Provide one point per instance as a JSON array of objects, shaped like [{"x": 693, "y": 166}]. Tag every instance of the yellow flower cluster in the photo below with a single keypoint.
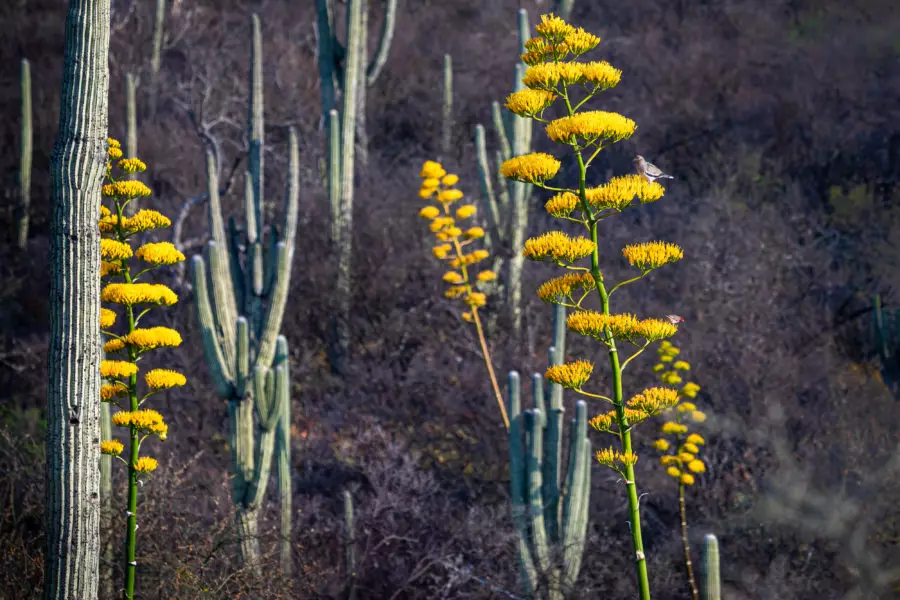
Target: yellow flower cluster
[
  {"x": 152, "y": 338},
  {"x": 110, "y": 391},
  {"x": 536, "y": 167},
  {"x": 615, "y": 459},
  {"x": 164, "y": 379},
  {"x": 132, "y": 165},
  {"x": 145, "y": 464},
  {"x": 146, "y": 420},
  {"x": 159, "y": 253},
  {"x": 652, "y": 255},
  {"x": 130, "y": 294},
  {"x": 437, "y": 185},
  {"x": 619, "y": 192},
  {"x": 595, "y": 324},
  {"x": 560, "y": 288},
  {"x": 127, "y": 189},
  {"x": 107, "y": 318},
  {"x": 589, "y": 127},
  {"x": 117, "y": 369},
  {"x": 530, "y": 103},
  {"x": 114, "y": 345},
  {"x": 146, "y": 220},
  {"x": 556, "y": 246},
  {"x": 608, "y": 421},
  {"x": 680, "y": 455},
  {"x": 571, "y": 375},
  {"x": 111, "y": 447},
  {"x": 654, "y": 400},
  {"x": 114, "y": 250}
]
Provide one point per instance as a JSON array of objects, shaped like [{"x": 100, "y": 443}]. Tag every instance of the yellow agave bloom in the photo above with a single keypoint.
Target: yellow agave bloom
[
  {"x": 146, "y": 220},
  {"x": 529, "y": 103},
  {"x": 673, "y": 428},
  {"x": 111, "y": 447},
  {"x": 138, "y": 293},
  {"x": 652, "y": 255},
  {"x": 107, "y": 318},
  {"x": 697, "y": 466},
  {"x": 152, "y": 338},
  {"x": 553, "y": 28},
  {"x": 562, "y": 204},
  {"x": 690, "y": 390},
  {"x": 117, "y": 369},
  {"x": 654, "y": 330},
  {"x": 114, "y": 345},
  {"x": 145, "y": 420},
  {"x": 594, "y": 324},
  {"x": 432, "y": 170},
  {"x": 130, "y": 188},
  {"x": 429, "y": 212},
  {"x": 145, "y": 464},
  {"x": 571, "y": 375},
  {"x": 465, "y": 211},
  {"x": 696, "y": 439},
  {"x": 160, "y": 253},
  {"x": 654, "y": 400},
  {"x": 689, "y": 447},
  {"x": 558, "y": 288},
  {"x": 661, "y": 444},
  {"x": 487, "y": 276},
  {"x": 114, "y": 153},
  {"x": 164, "y": 379},
  {"x": 589, "y": 127},
  {"x": 550, "y": 76},
  {"x": 108, "y": 391},
  {"x": 114, "y": 250},
  {"x": 132, "y": 165},
  {"x": 557, "y": 246},
  {"x": 580, "y": 41},
  {"x": 615, "y": 459},
  {"x": 620, "y": 191},
  {"x": 536, "y": 167},
  {"x": 601, "y": 75},
  {"x": 687, "y": 479}
]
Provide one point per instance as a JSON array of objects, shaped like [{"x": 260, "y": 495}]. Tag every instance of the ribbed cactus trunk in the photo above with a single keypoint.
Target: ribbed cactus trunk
[
  {"x": 447, "y": 109},
  {"x": 349, "y": 547},
  {"x": 285, "y": 487},
  {"x": 78, "y": 166},
  {"x": 25, "y": 150},
  {"x": 240, "y": 305},
  {"x": 507, "y": 209},
  {"x": 712, "y": 585},
  {"x": 549, "y": 511},
  {"x": 155, "y": 56}
]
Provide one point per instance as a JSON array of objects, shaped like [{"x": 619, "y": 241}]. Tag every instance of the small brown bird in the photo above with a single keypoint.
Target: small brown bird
[
  {"x": 675, "y": 319},
  {"x": 648, "y": 170}
]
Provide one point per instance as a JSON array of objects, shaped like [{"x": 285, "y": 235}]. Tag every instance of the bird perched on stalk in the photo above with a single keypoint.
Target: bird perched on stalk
[{"x": 648, "y": 170}]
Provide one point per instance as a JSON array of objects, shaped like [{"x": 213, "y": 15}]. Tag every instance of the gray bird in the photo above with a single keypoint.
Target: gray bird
[{"x": 648, "y": 170}]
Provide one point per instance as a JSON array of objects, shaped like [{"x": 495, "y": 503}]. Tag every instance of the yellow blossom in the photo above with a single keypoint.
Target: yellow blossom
[
  {"x": 128, "y": 188},
  {"x": 562, "y": 204},
  {"x": 117, "y": 369},
  {"x": 553, "y": 29},
  {"x": 426, "y": 193},
  {"x": 690, "y": 390},
  {"x": 571, "y": 375},
  {"x": 432, "y": 169},
  {"x": 559, "y": 288},
  {"x": 654, "y": 400},
  {"x": 620, "y": 191},
  {"x": 661, "y": 444},
  {"x": 449, "y": 180},
  {"x": 160, "y": 253},
  {"x": 697, "y": 466},
  {"x": 681, "y": 365},
  {"x": 557, "y": 246},
  {"x": 549, "y": 76},
  {"x": 164, "y": 379},
  {"x": 145, "y": 464},
  {"x": 448, "y": 196},
  {"x": 111, "y": 447},
  {"x": 673, "y": 428},
  {"x": 473, "y": 233},
  {"x": 114, "y": 153},
  {"x": 431, "y": 182},
  {"x": 687, "y": 407},
  {"x": 658, "y": 368},
  {"x": 687, "y": 479},
  {"x": 132, "y": 165},
  {"x": 536, "y": 167},
  {"x": 487, "y": 276},
  {"x": 689, "y": 447},
  {"x": 455, "y": 291},
  {"x": 109, "y": 268},
  {"x": 108, "y": 391},
  {"x": 114, "y": 250},
  {"x": 465, "y": 211},
  {"x": 601, "y": 75},
  {"x": 147, "y": 220},
  {"x": 476, "y": 299},
  {"x": 146, "y": 420},
  {"x": 603, "y": 422},
  {"x": 107, "y": 318},
  {"x": 453, "y": 277},
  {"x": 113, "y": 142},
  {"x": 429, "y": 212},
  {"x": 591, "y": 126},
  {"x": 594, "y": 324},
  {"x": 696, "y": 439},
  {"x": 113, "y": 345},
  {"x": 580, "y": 41},
  {"x": 685, "y": 457},
  {"x": 614, "y": 459},
  {"x": 667, "y": 461},
  {"x": 467, "y": 317},
  {"x": 138, "y": 293},
  {"x": 698, "y": 416},
  {"x": 652, "y": 255},
  {"x": 108, "y": 223},
  {"x": 441, "y": 251},
  {"x": 529, "y": 103},
  {"x": 655, "y": 329},
  {"x": 674, "y": 472},
  {"x": 154, "y": 337}
]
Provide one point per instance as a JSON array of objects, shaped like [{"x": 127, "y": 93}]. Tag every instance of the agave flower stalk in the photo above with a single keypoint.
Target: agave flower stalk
[
  {"x": 557, "y": 76},
  {"x": 124, "y": 289}
]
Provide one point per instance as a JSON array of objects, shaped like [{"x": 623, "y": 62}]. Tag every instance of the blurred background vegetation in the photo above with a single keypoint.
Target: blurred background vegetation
[{"x": 780, "y": 122}]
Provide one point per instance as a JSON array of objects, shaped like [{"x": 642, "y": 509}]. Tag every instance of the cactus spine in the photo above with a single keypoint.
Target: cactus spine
[
  {"x": 447, "y": 112},
  {"x": 25, "y": 149},
  {"x": 712, "y": 585},
  {"x": 240, "y": 306},
  {"x": 551, "y": 521},
  {"x": 79, "y": 160},
  {"x": 349, "y": 546},
  {"x": 507, "y": 208}
]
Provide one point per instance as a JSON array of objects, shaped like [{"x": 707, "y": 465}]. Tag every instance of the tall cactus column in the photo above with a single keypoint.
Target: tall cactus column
[
  {"x": 240, "y": 304},
  {"x": 25, "y": 150},
  {"x": 507, "y": 209},
  {"x": 78, "y": 165},
  {"x": 549, "y": 512}
]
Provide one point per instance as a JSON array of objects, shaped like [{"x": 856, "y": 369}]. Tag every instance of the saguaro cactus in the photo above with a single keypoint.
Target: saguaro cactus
[
  {"x": 79, "y": 160},
  {"x": 25, "y": 149},
  {"x": 240, "y": 308},
  {"x": 507, "y": 209},
  {"x": 712, "y": 585},
  {"x": 349, "y": 546},
  {"x": 158, "y": 32},
  {"x": 551, "y": 521},
  {"x": 447, "y": 109}
]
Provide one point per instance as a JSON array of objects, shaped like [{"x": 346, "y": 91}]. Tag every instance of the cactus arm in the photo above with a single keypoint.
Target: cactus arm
[
  {"x": 283, "y": 457},
  {"x": 552, "y": 452},
  {"x": 712, "y": 584},
  {"x": 326, "y": 58},
  {"x": 349, "y": 546},
  {"x": 574, "y": 551},
  {"x": 158, "y": 30},
  {"x": 277, "y": 396},
  {"x": 256, "y": 126},
  {"x": 487, "y": 190},
  {"x": 384, "y": 42},
  {"x": 223, "y": 293},
  {"x": 537, "y": 393},
  {"x": 500, "y": 130},
  {"x": 575, "y": 477},
  {"x": 334, "y": 174},
  {"x": 503, "y": 194},
  {"x": 25, "y": 153},
  {"x": 447, "y": 109},
  {"x": 234, "y": 262},
  {"x": 131, "y": 149},
  {"x": 524, "y": 31},
  {"x": 292, "y": 192},
  {"x": 242, "y": 357},
  {"x": 534, "y": 441},
  {"x": 517, "y": 482},
  {"x": 275, "y": 313},
  {"x": 219, "y": 369}
]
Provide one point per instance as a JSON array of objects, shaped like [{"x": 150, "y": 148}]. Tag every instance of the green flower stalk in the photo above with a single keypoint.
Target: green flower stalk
[
  {"x": 445, "y": 224},
  {"x": 556, "y": 77},
  {"x": 124, "y": 290},
  {"x": 680, "y": 448}
]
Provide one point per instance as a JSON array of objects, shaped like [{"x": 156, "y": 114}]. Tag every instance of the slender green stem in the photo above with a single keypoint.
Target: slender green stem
[
  {"x": 635, "y": 355},
  {"x": 695, "y": 594},
  {"x": 627, "y": 281}
]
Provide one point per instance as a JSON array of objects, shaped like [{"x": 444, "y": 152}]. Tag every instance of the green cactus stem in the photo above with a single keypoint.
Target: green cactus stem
[
  {"x": 349, "y": 546},
  {"x": 447, "y": 109},
  {"x": 240, "y": 305},
  {"x": 887, "y": 341},
  {"x": 283, "y": 457},
  {"x": 155, "y": 61},
  {"x": 25, "y": 152},
  {"x": 712, "y": 585}
]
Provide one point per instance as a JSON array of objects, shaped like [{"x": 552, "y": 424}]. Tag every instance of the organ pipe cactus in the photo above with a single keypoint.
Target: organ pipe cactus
[
  {"x": 240, "y": 304},
  {"x": 507, "y": 207},
  {"x": 549, "y": 510},
  {"x": 25, "y": 149},
  {"x": 712, "y": 585},
  {"x": 447, "y": 109}
]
